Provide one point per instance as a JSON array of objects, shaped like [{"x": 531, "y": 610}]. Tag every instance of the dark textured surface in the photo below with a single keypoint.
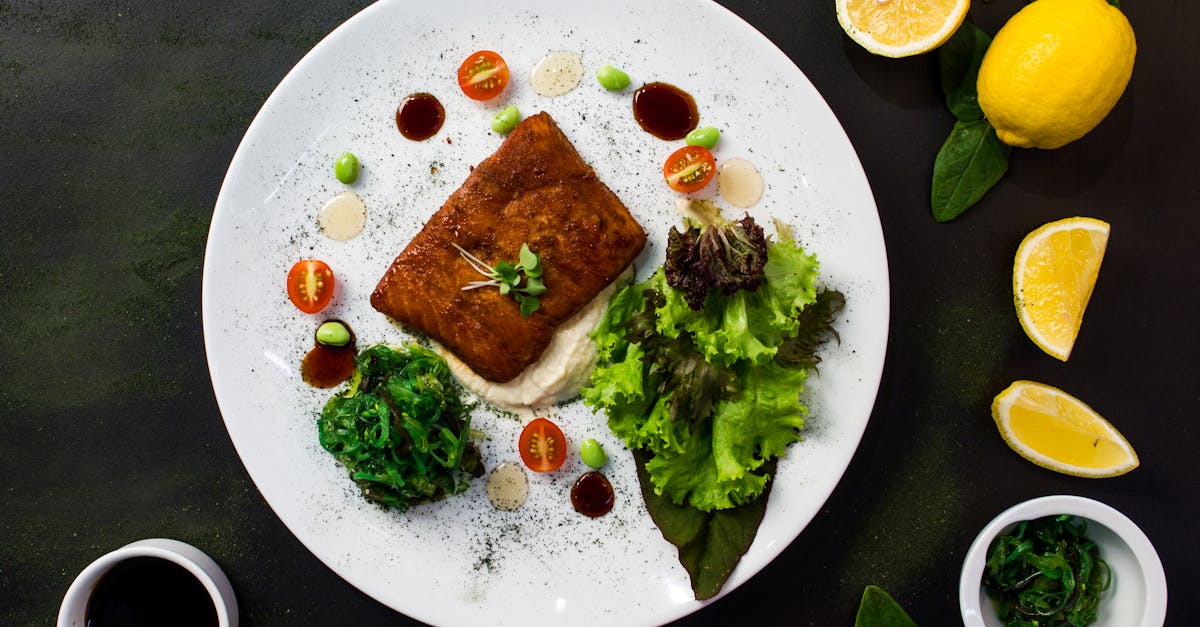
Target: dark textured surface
[{"x": 119, "y": 120}]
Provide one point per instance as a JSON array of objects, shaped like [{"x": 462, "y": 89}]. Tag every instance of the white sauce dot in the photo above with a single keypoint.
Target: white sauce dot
[
  {"x": 342, "y": 217},
  {"x": 507, "y": 486},
  {"x": 739, "y": 183},
  {"x": 557, "y": 73}
]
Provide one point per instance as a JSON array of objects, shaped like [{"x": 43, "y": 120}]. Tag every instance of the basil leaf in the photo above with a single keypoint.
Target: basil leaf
[
  {"x": 710, "y": 543},
  {"x": 1115, "y": 3},
  {"x": 879, "y": 609},
  {"x": 959, "y": 59},
  {"x": 971, "y": 161}
]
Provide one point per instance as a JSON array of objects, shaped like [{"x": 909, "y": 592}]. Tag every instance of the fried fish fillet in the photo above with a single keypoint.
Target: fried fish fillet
[{"x": 536, "y": 190}]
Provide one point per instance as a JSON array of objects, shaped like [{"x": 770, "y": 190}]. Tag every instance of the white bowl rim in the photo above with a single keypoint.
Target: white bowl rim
[
  {"x": 1139, "y": 545},
  {"x": 199, "y": 564}
]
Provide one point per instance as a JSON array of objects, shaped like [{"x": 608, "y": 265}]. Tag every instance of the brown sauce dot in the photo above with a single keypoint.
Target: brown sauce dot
[
  {"x": 592, "y": 495},
  {"x": 665, "y": 111},
  {"x": 328, "y": 366},
  {"x": 420, "y": 116}
]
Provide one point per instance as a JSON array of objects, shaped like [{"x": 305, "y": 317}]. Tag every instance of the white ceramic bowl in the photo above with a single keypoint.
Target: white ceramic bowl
[
  {"x": 74, "y": 605},
  {"x": 1138, "y": 595}
]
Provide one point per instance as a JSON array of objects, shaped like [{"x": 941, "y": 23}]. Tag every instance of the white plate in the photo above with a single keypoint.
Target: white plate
[{"x": 460, "y": 561}]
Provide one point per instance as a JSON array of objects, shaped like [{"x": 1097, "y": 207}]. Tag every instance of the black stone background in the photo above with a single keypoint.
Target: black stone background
[{"x": 117, "y": 123}]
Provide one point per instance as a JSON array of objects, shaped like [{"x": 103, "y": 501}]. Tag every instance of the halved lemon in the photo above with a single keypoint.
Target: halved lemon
[
  {"x": 1053, "y": 276},
  {"x": 901, "y": 28},
  {"x": 1055, "y": 430}
]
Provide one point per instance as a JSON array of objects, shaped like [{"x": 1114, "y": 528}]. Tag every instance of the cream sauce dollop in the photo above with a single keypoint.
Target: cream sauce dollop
[{"x": 557, "y": 74}]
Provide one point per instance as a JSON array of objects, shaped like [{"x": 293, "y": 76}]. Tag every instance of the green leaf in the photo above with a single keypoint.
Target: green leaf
[
  {"x": 959, "y": 59},
  {"x": 506, "y": 272},
  {"x": 533, "y": 286},
  {"x": 529, "y": 304},
  {"x": 710, "y": 543},
  {"x": 529, "y": 261},
  {"x": 879, "y": 609},
  {"x": 971, "y": 161},
  {"x": 1115, "y": 3}
]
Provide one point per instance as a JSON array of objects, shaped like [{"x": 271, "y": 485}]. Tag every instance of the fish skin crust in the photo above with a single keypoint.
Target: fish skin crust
[{"x": 534, "y": 189}]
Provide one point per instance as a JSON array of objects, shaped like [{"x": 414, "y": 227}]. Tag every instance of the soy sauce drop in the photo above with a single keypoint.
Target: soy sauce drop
[
  {"x": 328, "y": 366},
  {"x": 146, "y": 591},
  {"x": 665, "y": 111},
  {"x": 420, "y": 116},
  {"x": 592, "y": 495}
]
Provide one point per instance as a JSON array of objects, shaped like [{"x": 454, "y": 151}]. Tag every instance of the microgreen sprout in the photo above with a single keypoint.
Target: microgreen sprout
[{"x": 506, "y": 276}]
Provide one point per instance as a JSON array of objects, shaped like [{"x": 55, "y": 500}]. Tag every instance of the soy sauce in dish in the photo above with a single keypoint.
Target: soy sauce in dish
[
  {"x": 420, "y": 116},
  {"x": 592, "y": 495},
  {"x": 327, "y": 366},
  {"x": 665, "y": 111},
  {"x": 145, "y": 591}
]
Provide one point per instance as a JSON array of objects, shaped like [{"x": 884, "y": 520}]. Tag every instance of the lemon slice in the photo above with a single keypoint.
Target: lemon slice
[
  {"x": 1053, "y": 276},
  {"x": 1058, "y": 431},
  {"x": 901, "y": 28}
]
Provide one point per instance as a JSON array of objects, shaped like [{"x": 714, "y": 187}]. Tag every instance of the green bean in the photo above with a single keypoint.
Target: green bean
[
  {"x": 333, "y": 333},
  {"x": 346, "y": 168},
  {"x": 506, "y": 119},
  {"x": 593, "y": 454},
  {"x": 611, "y": 78},
  {"x": 706, "y": 136}
]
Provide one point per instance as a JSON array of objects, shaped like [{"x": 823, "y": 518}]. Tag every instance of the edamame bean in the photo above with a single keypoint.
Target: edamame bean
[
  {"x": 333, "y": 333},
  {"x": 706, "y": 136},
  {"x": 593, "y": 454},
  {"x": 611, "y": 78},
  {"x": 506, "y": 119},
  {"x": 346, "y": 168}
]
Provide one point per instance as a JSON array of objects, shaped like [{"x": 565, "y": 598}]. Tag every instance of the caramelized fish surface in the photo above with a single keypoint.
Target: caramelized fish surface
[{"x": 534, "y": 189}]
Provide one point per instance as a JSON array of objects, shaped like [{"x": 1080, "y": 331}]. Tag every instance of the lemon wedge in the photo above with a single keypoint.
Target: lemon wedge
[
  {"x": 901, "y": 28},
  {"x": 1055, "y": 430},
  {"x": 1053, "y": 276}
]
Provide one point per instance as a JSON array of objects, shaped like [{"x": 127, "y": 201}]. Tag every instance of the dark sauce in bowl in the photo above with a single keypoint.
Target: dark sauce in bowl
[
  {"x": 592, "y": 495},
  {"x": 150, "y": 591},
  {"x": 665, "y": 111},
  {"x": 420, "y": 116}
]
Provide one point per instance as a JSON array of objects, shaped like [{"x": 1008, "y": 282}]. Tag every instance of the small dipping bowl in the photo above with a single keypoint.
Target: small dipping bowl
[
  {"x": 74, "y": 606},
  {"x": 1138, "y": 594}
]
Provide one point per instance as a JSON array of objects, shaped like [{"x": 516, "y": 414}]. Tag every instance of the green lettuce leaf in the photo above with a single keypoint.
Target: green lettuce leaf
[{"x": 710, "y": 543}]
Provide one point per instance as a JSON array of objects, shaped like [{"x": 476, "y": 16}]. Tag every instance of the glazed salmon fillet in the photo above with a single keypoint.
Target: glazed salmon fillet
[{"x": 536, "y": 190}]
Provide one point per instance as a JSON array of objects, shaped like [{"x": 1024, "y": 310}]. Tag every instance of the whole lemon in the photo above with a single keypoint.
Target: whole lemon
[{"x": 1055, "y": 70}]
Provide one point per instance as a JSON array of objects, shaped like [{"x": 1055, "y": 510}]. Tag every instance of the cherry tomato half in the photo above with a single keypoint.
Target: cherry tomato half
[
  {"x": 483, "y": 75},
  {"x": 689, "y": 169},
  {"x": 543, "y": 447},
  {"x": 310, "y": 285}
]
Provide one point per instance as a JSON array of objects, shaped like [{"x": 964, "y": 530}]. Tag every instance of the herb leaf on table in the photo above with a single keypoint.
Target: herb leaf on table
[
  {"x": 879, "y": 609},
  {"x": 973, "y": 158},
  {"x": 971, "y": 161},
  {"x": 959, "y": 60}
]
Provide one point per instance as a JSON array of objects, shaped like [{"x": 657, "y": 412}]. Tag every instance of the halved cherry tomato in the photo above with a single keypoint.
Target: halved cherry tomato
[
  {"x": 483, "y": 75},
  {"x": 543, "y": 447},
  {"x": 689, "y": 169},
  {"x": 310, "y": 285}
]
